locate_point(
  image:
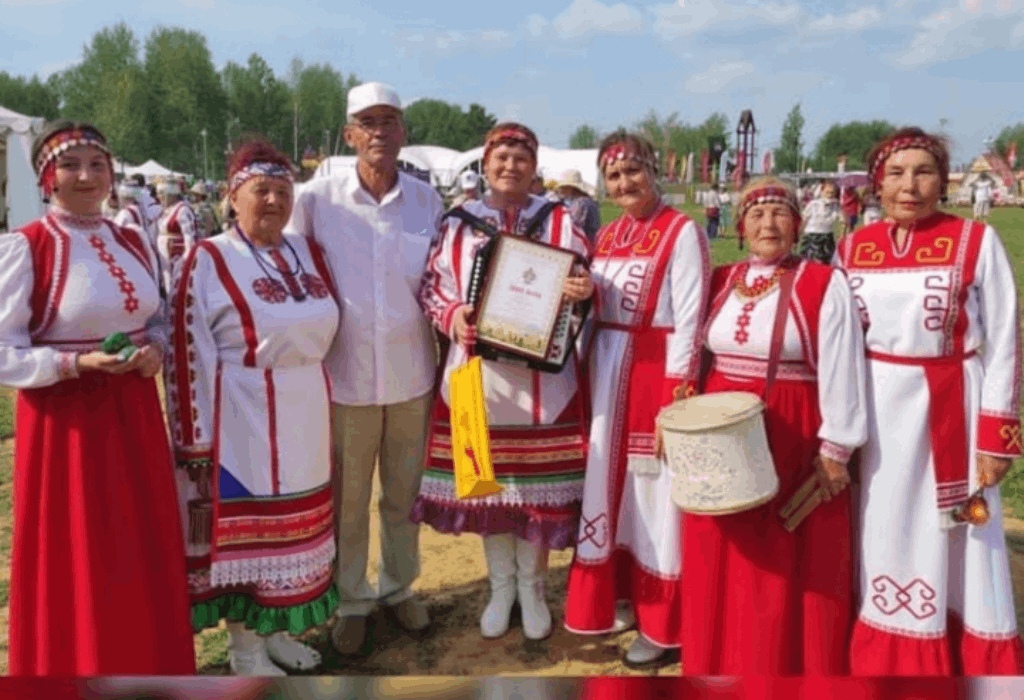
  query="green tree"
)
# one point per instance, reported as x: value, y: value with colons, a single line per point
x: 32, y: 98
x: 321, y: 94
x: 682, y: 137
x: 185, y: 97
x: 852, y: 138
x: 585, y: 136
x: 787, y: 157
x: 438, y: 123
x: 258, y: 101
x: 1008, y: 135
x: 112, y: 51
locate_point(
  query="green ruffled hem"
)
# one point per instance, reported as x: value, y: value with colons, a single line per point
x: 240, y: 607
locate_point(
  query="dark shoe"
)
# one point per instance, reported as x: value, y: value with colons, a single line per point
x: 348, y: 634
x: 411, y: 614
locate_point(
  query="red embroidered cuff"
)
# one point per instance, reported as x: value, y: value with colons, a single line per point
x: 999, y: 434
x: 192, y: 456
x: 67, y: 365
x: 835, y: 452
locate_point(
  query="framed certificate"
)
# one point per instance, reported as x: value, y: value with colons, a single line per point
x: 521, y: 317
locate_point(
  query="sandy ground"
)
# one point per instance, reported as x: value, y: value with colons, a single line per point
x: 454, y: 584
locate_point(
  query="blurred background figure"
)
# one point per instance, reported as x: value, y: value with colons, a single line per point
x: 578, y: 197
x: 469, y: 181
x: 206, y: 218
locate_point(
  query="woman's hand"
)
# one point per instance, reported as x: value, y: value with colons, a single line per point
x: 833, y: 477
x: 992, y: 469
x: 463, y: 332
x: 147, y: 360
x: 578, y: 288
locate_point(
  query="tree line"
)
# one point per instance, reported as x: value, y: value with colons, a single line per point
x: 164, y: 99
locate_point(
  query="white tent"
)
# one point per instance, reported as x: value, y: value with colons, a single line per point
x: 22, y: 202
x: 150, y: 169
x: 445, y: 165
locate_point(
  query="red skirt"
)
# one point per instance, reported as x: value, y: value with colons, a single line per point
x: 755, y: 598
x: 766, y: 688
x: 98, y: 582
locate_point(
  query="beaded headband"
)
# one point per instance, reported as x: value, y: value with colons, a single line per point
x: 769, y: 194
x: 256, y: 169
x: 68, y: 138
x: 620, y: 151
x: 876, y: 170
x: 512, y: 134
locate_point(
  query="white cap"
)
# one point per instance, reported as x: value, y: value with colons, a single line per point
x: 370, y: 95
x: 469, y: 180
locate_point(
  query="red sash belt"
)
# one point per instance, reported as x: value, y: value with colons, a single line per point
x: 946, y: 422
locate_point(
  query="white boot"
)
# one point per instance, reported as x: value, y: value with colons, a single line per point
x: 247, y: 653
x: 532, y: 562
x: 624, y: 617
x: 500, y: 551
x: 643, y: 651
x: 286, y: 651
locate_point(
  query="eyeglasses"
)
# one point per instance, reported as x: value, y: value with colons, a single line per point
x: 388, y: 123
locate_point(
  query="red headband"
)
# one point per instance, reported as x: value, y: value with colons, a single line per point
x: 512, y: 134
x: 46, y: 161
x: 620, y: 151
x: 769, y: 194
x: 876, y: 170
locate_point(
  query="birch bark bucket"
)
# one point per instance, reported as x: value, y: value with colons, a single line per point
x: 717, y: 451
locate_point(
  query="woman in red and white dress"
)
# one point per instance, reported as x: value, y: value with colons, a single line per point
x: 536, y: 419
x: 652, y: 271
x: 97, y: 575
x: 176, y: 229
x: 249, y: 405
x: 939, y: 303
x: 758, y: 599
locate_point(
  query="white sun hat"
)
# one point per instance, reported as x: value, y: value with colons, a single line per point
x: 370, y: 95
x: 573, y: 178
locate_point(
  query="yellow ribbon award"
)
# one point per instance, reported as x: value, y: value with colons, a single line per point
x: 471, y: 448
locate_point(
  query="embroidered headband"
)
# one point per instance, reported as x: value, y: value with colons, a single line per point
x: 768, y: 194
x: 46, y: 161
x: 876, y: 169
x: 511, y: 134
x: 620, y: 151
x: 256, y: 169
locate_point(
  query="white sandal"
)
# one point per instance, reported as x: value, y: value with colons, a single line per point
x: 286, y: 651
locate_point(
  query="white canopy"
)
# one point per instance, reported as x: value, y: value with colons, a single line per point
x: 445, y: 164
x: 150, y: 169
x: 23, y: 202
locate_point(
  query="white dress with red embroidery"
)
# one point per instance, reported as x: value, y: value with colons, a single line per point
x: 176, y: 235
x: 652, y: 276
x: 944, y: 384
x: 248, y: 398
x: 536, y: 419
x: 96, y: 538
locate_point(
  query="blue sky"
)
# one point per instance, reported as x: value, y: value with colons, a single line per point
x: 556, y: 65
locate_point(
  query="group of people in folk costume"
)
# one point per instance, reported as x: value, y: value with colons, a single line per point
x: 298, y: 350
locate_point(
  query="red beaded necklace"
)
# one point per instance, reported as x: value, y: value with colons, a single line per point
x: 761, y: 285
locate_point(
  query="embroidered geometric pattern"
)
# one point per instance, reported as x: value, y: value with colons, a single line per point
x: 270, y: 290
x: 915, y: 597
x: 131, y: 302
x: 314, y: 286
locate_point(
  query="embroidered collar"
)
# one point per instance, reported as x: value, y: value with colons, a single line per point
x: 73, y: 220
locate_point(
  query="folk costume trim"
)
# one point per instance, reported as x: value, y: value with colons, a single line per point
x: 127, y: 287
x: 259, y: 169
x: 876, y: 169
x: 621, y: 151
x: 237, y: 298
x: 50, y: 252
x: 58, y: 143
x: 770, y: 194
x: 513, y: 134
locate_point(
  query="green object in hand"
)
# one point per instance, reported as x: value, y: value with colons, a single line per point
x: 118, y: 343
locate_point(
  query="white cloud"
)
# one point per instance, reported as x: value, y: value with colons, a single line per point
x: 589, y: 16
x: 855, y: 21
x: 719, y: 76
x: 199, y: 4
x: 956, y: 32
x: 535, y: 25
x: 690, y: 16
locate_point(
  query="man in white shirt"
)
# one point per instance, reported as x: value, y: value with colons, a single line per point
x: 982, y: 198
x: 376, y: 226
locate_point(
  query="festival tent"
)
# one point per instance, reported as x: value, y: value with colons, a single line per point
x: 22, y: 202
x: 150, y: 170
